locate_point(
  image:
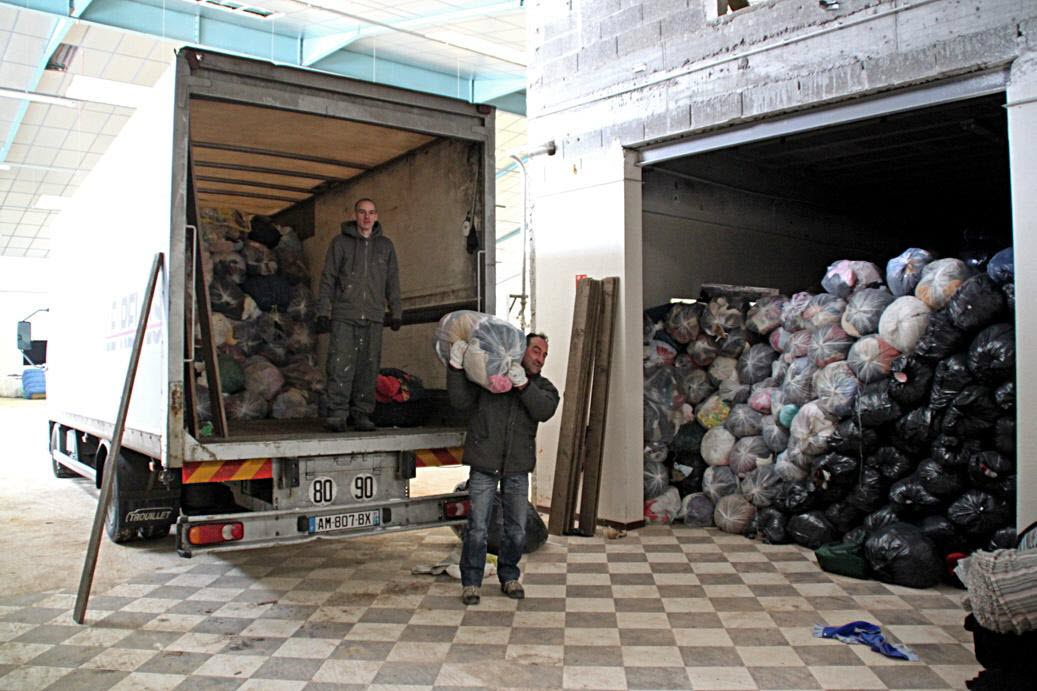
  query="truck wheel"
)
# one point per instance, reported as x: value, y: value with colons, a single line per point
x: 55, y: 444
x: 114, y: 518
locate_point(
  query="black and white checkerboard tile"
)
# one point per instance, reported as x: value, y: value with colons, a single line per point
x: 660, y: 608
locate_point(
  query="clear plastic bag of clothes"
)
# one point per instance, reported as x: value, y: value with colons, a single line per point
x: 755, y: 363
x: 656, y: 452
x: 774, y: 435
x: 1001, y: 267
x: 259, y: 259
x: 940, y: 280
x: 733, y: 343
x: 787, y: 470
x: 661, y: 386
x: 493, y: 346
x: 992, y: 354
x: 792, y: 313
x: 904, y: 322
x: 779, y: 339
x: 760, y: 400
x: 762, y: 486
x: 733, y: 513
x: 301, y: 306
x: 660, y: 423
x: 798, y: 387
x: 262, y: 377
x: 978, y: 303
x: 748, y: 453
x: 712, y: 412
x: 718, y: 481
x: 835, y: 389
x: 733, y: 390
x: 720, y: 318
x: 941, y: 338
x: 229, y: 265
x: 660, y: 352
x: 247, y: 405
x: 697, y: 510
x: 871, y: 359
x: 829, y: 344
x: 743, y: 421
x: 656, y: 479
x: 703, y: 350
x: 696, y: 385
x: 226, y: 297
x: 301, y: 338
x: 811, y: 430
x: 664, y: 508
x: 847, y: 276
x: 765, y: 316
x: 303, y: 374
x: 799, y: 343
x: 904, y: 271
x: 863, y: 311
x: 824, y: 310
x: 716, y: 445
x: 291, y: 403
x: 811, y: 529
x: 682, y: 322
x: 900, y: 554
x: 222, y: 330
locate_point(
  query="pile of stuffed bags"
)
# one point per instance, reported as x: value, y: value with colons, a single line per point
x: 880, y: 413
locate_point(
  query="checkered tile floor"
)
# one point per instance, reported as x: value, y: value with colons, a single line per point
x: 661, y: 608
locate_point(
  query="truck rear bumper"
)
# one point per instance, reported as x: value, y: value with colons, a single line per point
x: 267, y: 528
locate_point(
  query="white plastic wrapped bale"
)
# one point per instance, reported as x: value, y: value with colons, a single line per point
x: 493, y: 346
x: 829, y: 344
x: 682, y: 322
x: 697, y: 510
x: 292, y: 403
x: 247, y: 405
x: 765, y: 316
x: 774, y: 435
x: 703, y: 350
x: 811, y: 430
x: 904, y: 322
x: 696, y: 385
x: 259, y: 259
x: 716, y: 445
x: 792, y: 313
x: 871, y: 359
x: 720, y: 318
x: 733, y: 513
x: 661, y: 386
x: 940, y: 280
x: 760, y: 399
x: 787, y: 470
x: 747, y: 454
x: 712, y: 412
x: 754, y: 365
x: 656, y: 479
x: 262, y: 377
x: 798, y: 387
x: 660, y: 423
x: 659, y: 352
x: 823, y: 310
x: 230, y: 265
x: 656, y: 452
x: 836, y: 389
x: 846, y: 276
x: 718, y: 481
x: 864, y: 310
x: 733, y: 390
x: 722, y: 368
x: 743, y: 421
x: 664, y: 508
x: 762, y: 486
x: 904, y: 271
x: 799, y: 343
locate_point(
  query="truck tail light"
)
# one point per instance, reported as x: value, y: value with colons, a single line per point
x: 457, y: 509
x: 214, y: 533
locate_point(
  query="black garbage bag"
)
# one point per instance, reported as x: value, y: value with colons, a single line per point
x: 891, y: 462
x: 973, y: 412
x: 836, y: 474
x: 870, y: 492
x: 914, y: 431
x: 1001, y: 267
x: 950, y: 377
x: 992, y: 354
x: 901, y: 554
x: 688, y: 439
x: 1009, y: 290
x: 798, y: 497
x: 910, y: 499
x: 770, y: 523
x: 851, y: 439
x: 264, y: 231
x: 1005, y: 395
x: 910, y: 380
x: 1004, y: 434
x: 875, y: 406
x: 1003, y: 538
x: 943, y: 533
x: 887, y: 515
x: 941, y: 337
x: 843, y: 516
x: 856, y: 536
x: 944, y: 482
x: 978, y: 302
x: 536, y: 529
x: 811, y: 530
x: 978, y: 513
x: 269, y: 291
x: 987, y: 469
x: 687, y: 474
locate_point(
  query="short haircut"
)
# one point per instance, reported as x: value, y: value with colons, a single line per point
x: 356, y: 206
x: 533, y: 334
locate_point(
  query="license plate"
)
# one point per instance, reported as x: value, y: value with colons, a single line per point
x: 345, y: 521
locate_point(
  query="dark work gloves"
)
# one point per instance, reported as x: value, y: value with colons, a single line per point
x: 323, y: 325
x: 395, y: 323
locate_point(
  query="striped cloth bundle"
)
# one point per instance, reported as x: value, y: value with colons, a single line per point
x: 1002, y: 589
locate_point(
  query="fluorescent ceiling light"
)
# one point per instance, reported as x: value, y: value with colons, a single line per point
x: 4, y: 166
x: 52, y: 202
x: 114, y: 93
x: 479, y: 45
x: 49, y: 99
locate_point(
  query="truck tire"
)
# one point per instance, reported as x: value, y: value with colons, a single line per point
x: 55, y: 444
x: 115, y: 516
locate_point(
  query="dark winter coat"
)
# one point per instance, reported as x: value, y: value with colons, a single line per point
x: 360, y: 277
x: 501, y: 435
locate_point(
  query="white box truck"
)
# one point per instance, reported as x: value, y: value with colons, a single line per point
x: 300, y: 147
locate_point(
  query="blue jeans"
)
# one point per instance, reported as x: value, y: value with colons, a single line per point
x: 482, y: 488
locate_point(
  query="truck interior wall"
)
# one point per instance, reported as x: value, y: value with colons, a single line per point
x: 422, y: 198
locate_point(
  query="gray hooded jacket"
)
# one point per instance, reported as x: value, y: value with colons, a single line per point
x: 360, y: 277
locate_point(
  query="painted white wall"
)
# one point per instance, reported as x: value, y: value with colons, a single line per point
x: 1022, y: 133
x: 589, y: 222
x: 23, y: 290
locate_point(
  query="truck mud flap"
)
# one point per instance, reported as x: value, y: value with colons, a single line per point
x: 199, y: 534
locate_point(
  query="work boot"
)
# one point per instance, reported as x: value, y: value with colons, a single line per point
x: 513, y: 589
x: 336, y: 424
x: 470, y: 595
x: 362, y: 423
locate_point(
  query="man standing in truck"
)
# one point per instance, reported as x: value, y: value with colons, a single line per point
x: 360, y: 279
x: 500, y: 449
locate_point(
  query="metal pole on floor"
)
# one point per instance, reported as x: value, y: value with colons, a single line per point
x: 87, y: 578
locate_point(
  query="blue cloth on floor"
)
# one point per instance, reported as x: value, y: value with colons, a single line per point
x: 867, y: 634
